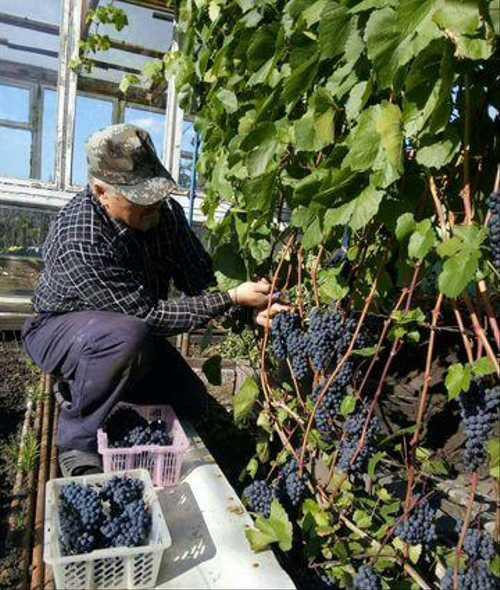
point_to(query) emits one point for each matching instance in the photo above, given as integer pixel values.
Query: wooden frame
(38, 193)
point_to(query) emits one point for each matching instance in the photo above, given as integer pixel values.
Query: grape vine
(356, 145)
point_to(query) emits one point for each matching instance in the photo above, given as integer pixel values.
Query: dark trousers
(109, 357)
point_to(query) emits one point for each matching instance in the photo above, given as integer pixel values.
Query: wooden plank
(27, 72)
(28, 23)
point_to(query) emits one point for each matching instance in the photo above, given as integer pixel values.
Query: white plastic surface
(120, 567)
(207, 522)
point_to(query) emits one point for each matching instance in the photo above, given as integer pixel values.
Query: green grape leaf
(348, 405)
(458, 379)
(422, 240)
(275, 529)
(244, 400)
(405, 225)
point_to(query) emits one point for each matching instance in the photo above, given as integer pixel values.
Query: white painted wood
(207, 522)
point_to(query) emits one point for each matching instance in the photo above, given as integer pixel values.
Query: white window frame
(38, 193)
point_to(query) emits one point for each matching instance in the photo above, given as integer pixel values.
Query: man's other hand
(251, 294)
(264, 317)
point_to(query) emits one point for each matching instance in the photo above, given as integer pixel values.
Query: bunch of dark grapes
(479, 545)
(297, 349)
(353, 429)
(259, 496)
(120, 492)
(121, 422)
(367, 579)
(479, 411)
(477, 576)
(324, 333)
(494, 227)
(129, 528)
(293, 486)
(284, 324)
(419, 528)
(289, 341)
(329, 406)
(135, 430)
(87, 523)
(80, 517)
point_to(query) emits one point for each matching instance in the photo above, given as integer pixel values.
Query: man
(102, 301)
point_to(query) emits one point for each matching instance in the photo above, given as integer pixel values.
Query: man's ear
(99, 190)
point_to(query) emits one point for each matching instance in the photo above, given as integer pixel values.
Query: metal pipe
(37, 564)
(192, 184)
(49, 583)
(30, 488)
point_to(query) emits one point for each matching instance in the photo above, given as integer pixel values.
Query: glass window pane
(49, 134)
(15, 152)
(91, 115)
(145, 29)
(14, 103)
(23, 230)
(29, 55)
(153, 123)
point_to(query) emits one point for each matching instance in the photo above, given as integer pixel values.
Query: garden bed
(16, 377)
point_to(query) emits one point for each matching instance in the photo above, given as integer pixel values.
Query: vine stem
(295, 384)
(478, 330)
(381, 339)
(392, 354)
(376, 545)
(465, 339)
(427, 375)
(341, 363)
(465, 526)
(300, 299)
(492, 320)
(314, 275)
(466, 191)
(263, 373)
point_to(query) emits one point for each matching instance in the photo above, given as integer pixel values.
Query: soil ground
(15, 377)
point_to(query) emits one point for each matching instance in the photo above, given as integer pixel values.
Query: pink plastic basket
(163, 463)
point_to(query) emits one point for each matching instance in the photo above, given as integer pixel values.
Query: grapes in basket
(114, 515)
(127, 428)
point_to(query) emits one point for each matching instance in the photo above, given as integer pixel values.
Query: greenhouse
(250, 294)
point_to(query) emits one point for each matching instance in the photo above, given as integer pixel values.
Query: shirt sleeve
(102, 283)
(193, 271)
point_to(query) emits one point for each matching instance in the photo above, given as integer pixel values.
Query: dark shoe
(73, 462)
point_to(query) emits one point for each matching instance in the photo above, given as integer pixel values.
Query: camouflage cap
(124, 156)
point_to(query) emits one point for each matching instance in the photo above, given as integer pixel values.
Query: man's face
(142, 218)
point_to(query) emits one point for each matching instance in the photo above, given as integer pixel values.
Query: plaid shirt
(93, 262)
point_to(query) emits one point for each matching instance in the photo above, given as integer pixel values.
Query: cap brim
(149, 191)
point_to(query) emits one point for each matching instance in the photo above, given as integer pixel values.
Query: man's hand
(251, 294)
(264, 317)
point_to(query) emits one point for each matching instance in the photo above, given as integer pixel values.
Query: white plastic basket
(164, 463)
(119, 567)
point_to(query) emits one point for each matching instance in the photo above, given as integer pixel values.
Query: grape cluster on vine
(479, 409)
(419, 527)
(259, 496)
(329, 406)
(479, 545)
(367, 579)
(290, 341)
(353, 429)
(323, 336)
(127, 428)
(293, 485)
(494, 228)
(477, 576)
(480, 550)
(115, 516)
